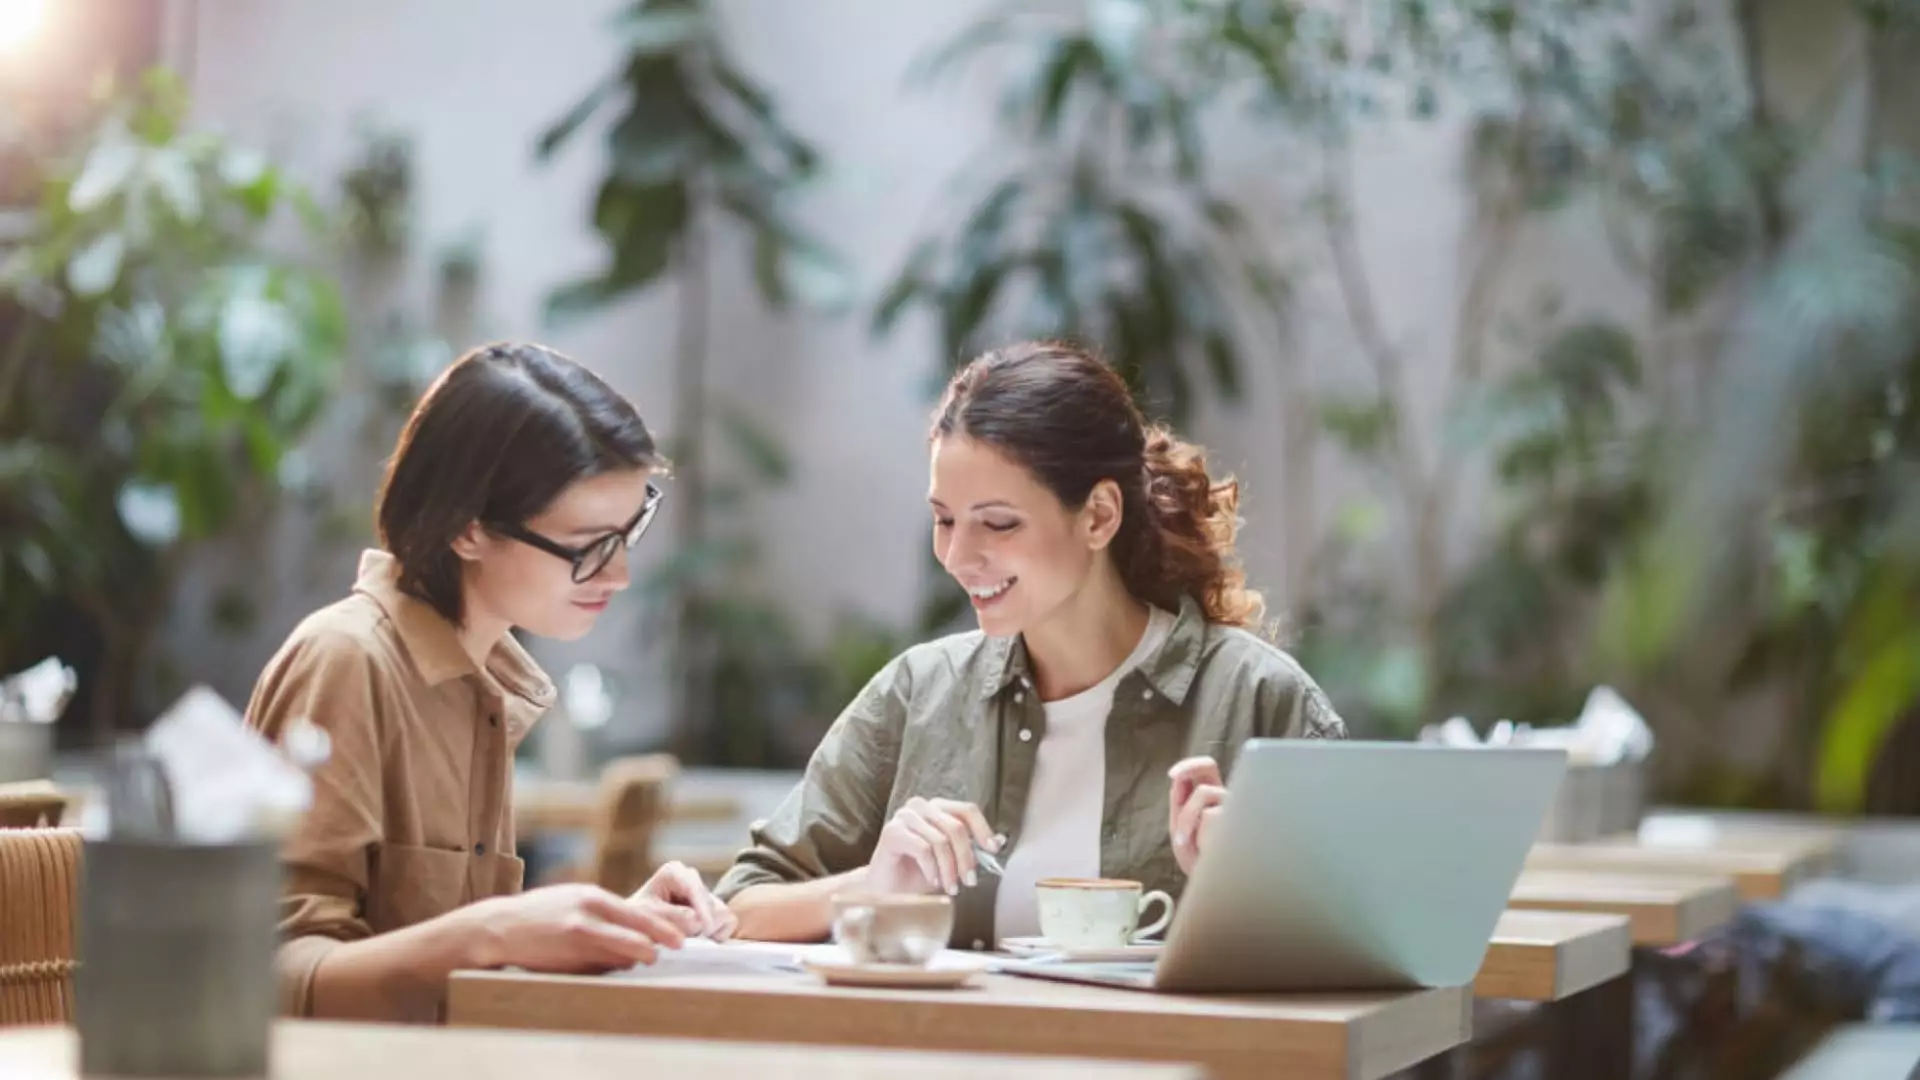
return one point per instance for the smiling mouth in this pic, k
(594, 605)
(984, 595)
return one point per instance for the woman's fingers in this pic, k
(901, 837)
(978, 831)
(959, 840)
(682, 884)
(1189, 774)
(1184, 777)
(1186, 823)
(946, 870)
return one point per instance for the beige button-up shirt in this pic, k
(412, 815)
(958, 718)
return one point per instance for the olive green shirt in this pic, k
(958, 719)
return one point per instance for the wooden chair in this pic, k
(31, 804)
(39, 907)
(633, 803)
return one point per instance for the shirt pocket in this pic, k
(411, 884)
(503, 874)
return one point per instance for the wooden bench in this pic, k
(1662, 909)
(1760, 870)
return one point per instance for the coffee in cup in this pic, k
(892, 928)
(1098, 913)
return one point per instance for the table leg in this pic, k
(1452, 1065)
(1589, 1036)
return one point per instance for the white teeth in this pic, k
(991, 591)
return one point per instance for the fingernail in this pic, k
(971, 880)
(999, 842)
(953, 890)
(1180, 839)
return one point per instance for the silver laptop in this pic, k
(1348, 866)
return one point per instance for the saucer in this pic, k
(893, 976)
(1037, 947)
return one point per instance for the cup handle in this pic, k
(1159, 924)
(852, 929)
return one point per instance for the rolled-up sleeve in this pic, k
(1291, 705)
(831, 822)
(326, 860)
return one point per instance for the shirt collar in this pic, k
(433, 643)
(1170, 668)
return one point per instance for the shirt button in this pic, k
(1026, 734)
(1147, 695)
(1018, 697)
(479, 849)
(978, 945)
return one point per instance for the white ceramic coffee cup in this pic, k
(1097, 913)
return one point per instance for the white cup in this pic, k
(1097, 913)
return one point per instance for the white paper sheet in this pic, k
(702, 957)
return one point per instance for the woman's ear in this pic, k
(470, 542)
(1100, 518)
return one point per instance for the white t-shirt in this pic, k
(1060, 832)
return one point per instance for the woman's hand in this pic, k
(575, 929)
(676, 885)
(1198, 797)
(928, 847)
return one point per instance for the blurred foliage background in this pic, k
(1703, 493)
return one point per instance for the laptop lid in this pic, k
(1357, 865)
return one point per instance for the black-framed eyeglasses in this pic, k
(590, 558)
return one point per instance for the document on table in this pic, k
(699, 956)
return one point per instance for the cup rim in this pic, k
(874, 899)
(1090, 884)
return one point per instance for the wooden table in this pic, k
(1348, 1036)
(308, 1050)
(1662, 909)
(1553, 955)
(1763, 867)
(1573, 967)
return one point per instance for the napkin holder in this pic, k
(1597, 800)
(177, 943)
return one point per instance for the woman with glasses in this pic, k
(519, 484)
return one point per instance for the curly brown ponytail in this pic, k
(1070, 420)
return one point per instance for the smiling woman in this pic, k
(1084, 731)
(518, 485)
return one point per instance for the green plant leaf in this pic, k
(557, 133)
(1884, 690)
(995, 28)
(1056, 77)
(150, 512)
(109, 165)
(908, 285)
(170, 172)
(96, 267)
(1364, 426)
